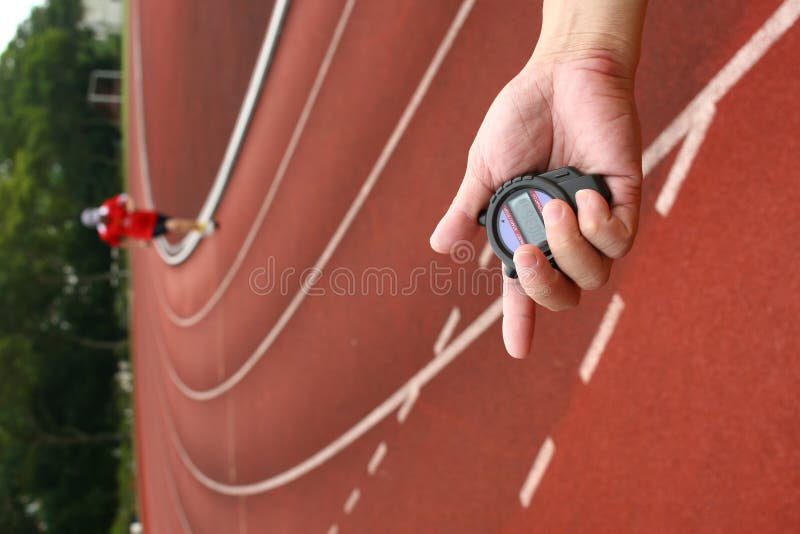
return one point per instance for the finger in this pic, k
(604, 229)
(575, 256)
(542, 282)
(616, 236)
(519, 317)
(460, 222)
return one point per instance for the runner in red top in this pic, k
(119, 223)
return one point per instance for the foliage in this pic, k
(126, 506)
(58, 420)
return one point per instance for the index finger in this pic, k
(519, 317)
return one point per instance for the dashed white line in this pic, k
(488, 317)
(537, 471)
(683, 162)
(344, 225)
(377, 458)
(486, 256)
(748, 55)
(789, 10)
(447, 330)
(352, 500)
(600, 340)
(408, 403)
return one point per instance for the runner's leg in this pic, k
(183, 226)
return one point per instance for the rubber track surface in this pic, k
(690, 420)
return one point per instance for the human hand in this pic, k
(557, 111)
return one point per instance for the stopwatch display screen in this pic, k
(519, 220)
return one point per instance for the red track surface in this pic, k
(690, 421)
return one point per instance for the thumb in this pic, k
(460, 222)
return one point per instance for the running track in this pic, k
(666, 402)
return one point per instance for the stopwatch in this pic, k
(514, 215)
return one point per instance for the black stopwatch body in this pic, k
(514, 214)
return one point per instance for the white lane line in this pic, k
(177, 502)
(447, 330)
(175, 254)
(408, 403)
(297, 133)
(683, 162)
(486, 256)
(242, 515)
(600, 340)
(781, 20)
(230, 419)
(430, 371)
(377, 169)
(488, 317)
(377, 458)
(537, 471)
(334, 529)
(173, 490)
(352, 500)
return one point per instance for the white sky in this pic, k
(12, 12)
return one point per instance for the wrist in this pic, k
(608, 31)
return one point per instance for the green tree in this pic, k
(59, 340)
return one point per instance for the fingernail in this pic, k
(552, 213)
(525, 259)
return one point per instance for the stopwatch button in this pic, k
(559, 173)
(511, 272)
(482, 218)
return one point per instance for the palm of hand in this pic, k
(575, 114)
(580, 113)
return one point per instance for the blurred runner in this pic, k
(120, 224)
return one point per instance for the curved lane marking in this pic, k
(202, 312)
(783, 18)
(344, 225)
(178, 253)
(186, 527)
(488, 317)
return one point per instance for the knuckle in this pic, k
(541, 292)
(527, 276)
(613, 239)
(618, 248)
(562, 304)
(591, 230)
(562, 241)
(534, 284)
(553, 293)
(593, 280)
(613, 244)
